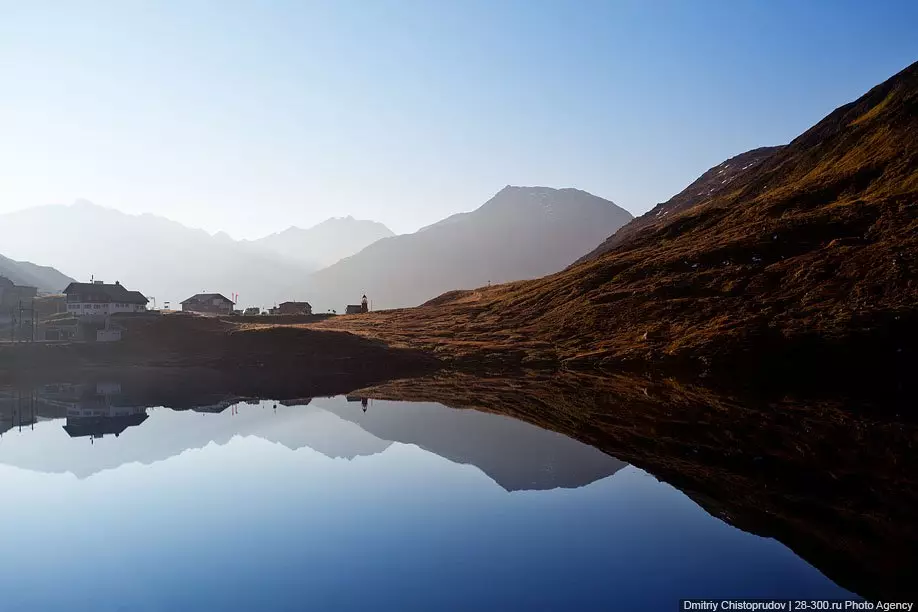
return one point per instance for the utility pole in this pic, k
(31, 312)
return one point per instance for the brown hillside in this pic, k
(716, 181)
(807, 261)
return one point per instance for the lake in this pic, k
(347, 503)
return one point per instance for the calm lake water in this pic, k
(342, 505)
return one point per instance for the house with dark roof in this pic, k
(98, 299)
(94, 410)
(209, 303)
(293, 308)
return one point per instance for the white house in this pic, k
(99, 299)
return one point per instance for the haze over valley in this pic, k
(520, 233)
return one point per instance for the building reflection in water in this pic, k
(91, 410)
(364, 402)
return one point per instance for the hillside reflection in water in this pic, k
(345, 503)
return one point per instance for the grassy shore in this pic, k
(222, 344)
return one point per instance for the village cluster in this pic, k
(84, 311)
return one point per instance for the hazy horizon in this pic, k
(256, 238)
(247, 118)
(252, 238)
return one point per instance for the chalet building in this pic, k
(99, 299)
(293, 308)
(11, 294)
(357, 308)
(209, 303)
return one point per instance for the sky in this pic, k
(248, 117)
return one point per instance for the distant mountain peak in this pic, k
(326, 242)
(541, 191)
(521, 232)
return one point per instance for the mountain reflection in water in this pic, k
(516, 455)
(233, 502)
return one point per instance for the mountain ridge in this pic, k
(45, 278)
(152, 254)
(714, 181)
(520, 232)
(324, 243)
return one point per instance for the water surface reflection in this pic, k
(346, 503)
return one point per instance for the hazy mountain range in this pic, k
(520, 233)
(168, 261)
(325, 243)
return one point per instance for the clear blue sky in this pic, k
(251, 116)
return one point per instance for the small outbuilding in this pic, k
(357, 308)
(293, 308)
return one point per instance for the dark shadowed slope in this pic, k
(45, 278)
(520, 233)
(808, 264)
(712, 183)
(324, 244)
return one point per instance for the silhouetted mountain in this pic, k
(325, 243)
(47, 279)
(150, 254)
(710, 184)
(803, 268)
(520, 233)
